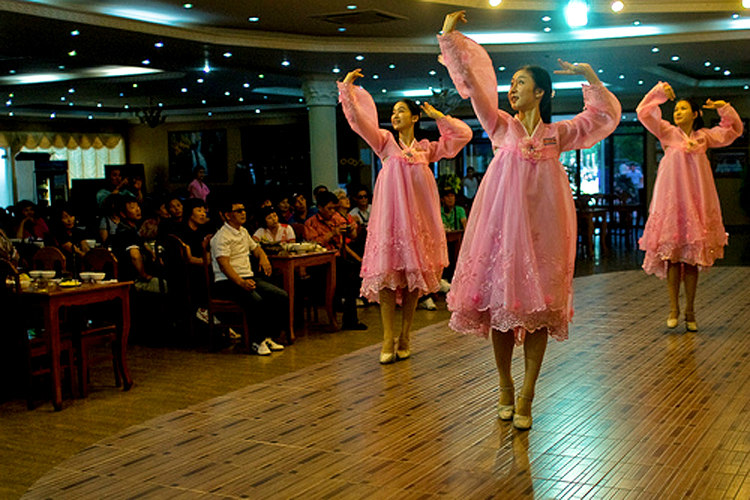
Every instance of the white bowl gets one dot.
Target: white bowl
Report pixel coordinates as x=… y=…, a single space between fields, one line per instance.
x=38 y=273
x=91 y=276
x=49 y=274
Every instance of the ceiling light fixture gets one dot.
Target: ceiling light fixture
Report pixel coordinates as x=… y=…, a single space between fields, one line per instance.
x=735 y=16
x=159 y=45
x=547 y=29
x=727 y=72
x=495 y=3
x=675 y=58
x=502 y=68
x=246 y=85
x=187 y=5
x=654 y=49
x=359 y=57
x=253 y=19
x=227 y=54
x=72 y=53
x=342 y=29
x=75 y=33
x=391 y=66
x=146 y=62
x=707 y=64
x=617 y=6
x=546 y=19
x=206 y=67
x=336 y=69
x=375 y=76
x=576 y=13
x=285 y=63
x=636 y=23
x=200 y=80
x=351 y=7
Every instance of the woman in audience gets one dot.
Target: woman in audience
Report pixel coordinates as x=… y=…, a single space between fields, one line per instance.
x=197 y=188
x=150 y=228
x=284 y=210
x=405 y=252
x=514 y=277
x=271 y=230
x=684 y=230
x=67 y=236
x=29 y=225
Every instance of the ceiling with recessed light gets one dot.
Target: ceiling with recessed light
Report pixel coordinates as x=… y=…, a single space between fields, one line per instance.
x=107 y=59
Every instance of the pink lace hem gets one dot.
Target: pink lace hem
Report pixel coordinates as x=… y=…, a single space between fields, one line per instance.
x=425 y=281
x=481 y=323
x=697 y=254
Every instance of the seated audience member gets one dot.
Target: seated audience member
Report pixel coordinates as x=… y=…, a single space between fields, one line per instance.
x=470 y=185
x=197 y=187
x=116 y=184
x=361 y=212
x=110 y=218
x=29 y=225
x=194 y=229
x=343 y=209
x=135 y=187
x=150 y=228
x=301 y=213
x=7 y=250
x=329 y=228
x=134 y=259
x=284 y=210
x=171 y=225
x=454 y=217
x=321 y=188
x=67 y=236
x=265 y=303
x=271 y=230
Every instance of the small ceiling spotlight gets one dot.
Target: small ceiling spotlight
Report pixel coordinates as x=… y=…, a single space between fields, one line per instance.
x=617 y=6
x=285 y=63
x=495 y=3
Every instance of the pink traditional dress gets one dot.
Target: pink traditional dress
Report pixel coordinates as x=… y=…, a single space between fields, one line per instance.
x=405 y=246
x=684 y=222
x=515 y=267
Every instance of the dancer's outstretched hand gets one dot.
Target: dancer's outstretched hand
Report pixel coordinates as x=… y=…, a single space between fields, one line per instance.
x=452 y=19
x=668 y=90
x=583 y=69
x=431 y=111
x=353 y=75
x=711 y=104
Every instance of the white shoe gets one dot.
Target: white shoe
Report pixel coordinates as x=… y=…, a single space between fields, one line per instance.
x=234 y=335
x=202 y=314
x=273 y=345
x=445 y=286
x=260 y=349
x=428 y=304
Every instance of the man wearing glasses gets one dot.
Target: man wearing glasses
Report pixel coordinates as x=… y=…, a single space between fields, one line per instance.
x=361 y=212
x=234 y=279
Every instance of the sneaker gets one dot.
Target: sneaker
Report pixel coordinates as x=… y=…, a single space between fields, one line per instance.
x=361 y=303
x=445 y=286
x=428 y=304
x=234 y=335
x=202 y=314
x=260 y=349
x=273 y=345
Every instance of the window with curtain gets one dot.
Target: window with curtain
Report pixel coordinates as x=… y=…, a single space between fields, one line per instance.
x=85 y=163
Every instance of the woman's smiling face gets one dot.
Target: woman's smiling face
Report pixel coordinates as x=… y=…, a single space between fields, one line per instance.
x=402 y=118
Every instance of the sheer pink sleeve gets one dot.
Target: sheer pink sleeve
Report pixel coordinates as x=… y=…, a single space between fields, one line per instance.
x=729 y=128
x=471 y=70
x=362 y=115
x=454 y=135
x=649 y=113
x=599 y=118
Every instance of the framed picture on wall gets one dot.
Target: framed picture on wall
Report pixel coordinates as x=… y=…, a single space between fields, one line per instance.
x=729 y=162
x=189 y=150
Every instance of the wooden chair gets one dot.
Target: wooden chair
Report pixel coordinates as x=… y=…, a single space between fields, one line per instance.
x=214 y=305
x=92 y=330
x=37 y=348
x=101 y=260
x=49 y=258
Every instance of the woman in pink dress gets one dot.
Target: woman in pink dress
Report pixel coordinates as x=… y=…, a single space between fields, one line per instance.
x=197 y=188
x=684 y=229
x=405 y=251
x=514 y=273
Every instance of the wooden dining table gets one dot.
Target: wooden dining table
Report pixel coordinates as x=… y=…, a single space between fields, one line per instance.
x=289 y=264
x=54 y=297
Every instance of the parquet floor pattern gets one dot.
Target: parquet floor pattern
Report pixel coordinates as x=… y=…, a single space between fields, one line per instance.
x=625 y=409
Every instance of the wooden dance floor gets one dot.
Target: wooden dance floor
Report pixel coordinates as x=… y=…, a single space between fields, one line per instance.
x=625 y=409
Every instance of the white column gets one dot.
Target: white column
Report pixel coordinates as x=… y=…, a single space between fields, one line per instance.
x=321 y=97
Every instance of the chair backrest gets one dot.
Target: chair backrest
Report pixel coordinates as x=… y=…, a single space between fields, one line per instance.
x=49 y=258
x=299 y=231
x=101 y=259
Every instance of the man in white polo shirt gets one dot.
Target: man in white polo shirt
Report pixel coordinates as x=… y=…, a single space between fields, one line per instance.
x=265 y=303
